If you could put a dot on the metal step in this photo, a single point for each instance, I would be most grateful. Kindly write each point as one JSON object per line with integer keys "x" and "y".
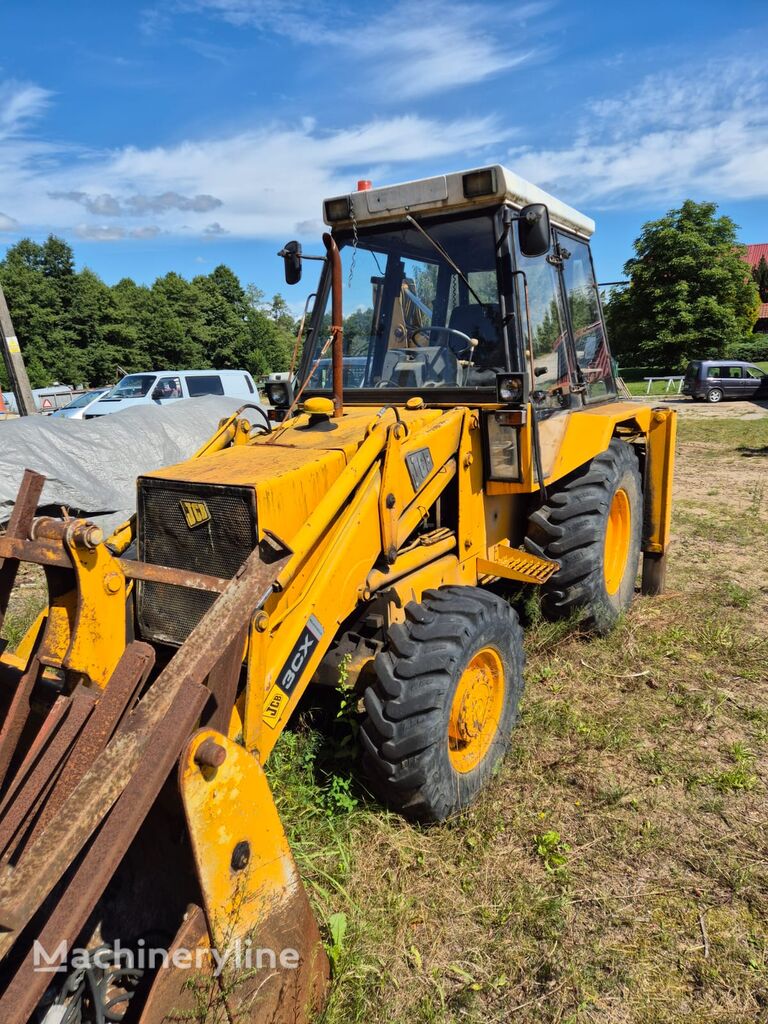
{"x": 516, "y": 564}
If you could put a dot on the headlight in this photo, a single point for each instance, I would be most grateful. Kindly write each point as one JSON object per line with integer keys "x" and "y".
{"x": 503, "y": 445}
{"x": 279, "y": 393}
{"x": 510, "y": 387}
{"x": 479, "y": 183}
{"x": 337, "y": 209}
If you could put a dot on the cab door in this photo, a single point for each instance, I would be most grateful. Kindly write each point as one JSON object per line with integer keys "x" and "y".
{"x": 553, "y": 365}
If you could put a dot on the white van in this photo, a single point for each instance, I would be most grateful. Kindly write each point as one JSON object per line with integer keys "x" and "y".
{"x": 159, "y": 387}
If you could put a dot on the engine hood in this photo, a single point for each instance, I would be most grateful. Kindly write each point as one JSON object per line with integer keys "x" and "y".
{"x": 292, "y": 469}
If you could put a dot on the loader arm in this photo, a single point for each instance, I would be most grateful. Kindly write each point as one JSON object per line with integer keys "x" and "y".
{"x": 366, "y": 518}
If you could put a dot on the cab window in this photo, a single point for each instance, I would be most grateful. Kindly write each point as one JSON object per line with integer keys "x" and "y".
{"x": 208, "y": 385}
{"x": 755, "y": 372}
{"x": 592, "y": 355}
{"x": 167, "y": 387}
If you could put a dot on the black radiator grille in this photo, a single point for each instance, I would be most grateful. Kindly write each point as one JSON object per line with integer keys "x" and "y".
{"x": 217, "y": 546}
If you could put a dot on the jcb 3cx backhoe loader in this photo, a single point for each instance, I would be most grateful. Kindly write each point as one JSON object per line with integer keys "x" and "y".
{"x": 456, "y": 439}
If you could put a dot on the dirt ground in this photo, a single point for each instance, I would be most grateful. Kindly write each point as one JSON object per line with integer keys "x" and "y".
{"x": 705, "y": 410}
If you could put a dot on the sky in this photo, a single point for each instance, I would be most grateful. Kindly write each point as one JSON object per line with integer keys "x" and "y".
{"x": 180, "y": 134}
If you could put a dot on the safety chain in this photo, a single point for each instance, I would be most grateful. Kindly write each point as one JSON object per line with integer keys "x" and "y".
{"x": 354, "y": 244}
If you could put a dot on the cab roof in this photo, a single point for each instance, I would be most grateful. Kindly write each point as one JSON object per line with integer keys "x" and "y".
{"x": 459, "y": 190}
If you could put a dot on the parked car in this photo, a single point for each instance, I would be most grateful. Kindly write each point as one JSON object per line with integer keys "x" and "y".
{"x": 80, "y": 405}
{"x": 354, "y": 373}
{"x": 161, "y": 386}
{"x": 712, "y": 380}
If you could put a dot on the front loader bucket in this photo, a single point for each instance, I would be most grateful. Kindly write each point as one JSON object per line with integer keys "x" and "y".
{"x": 125, "y": 815}
{"x": 258, "y": 912}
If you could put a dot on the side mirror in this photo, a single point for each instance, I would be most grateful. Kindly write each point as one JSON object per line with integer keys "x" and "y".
{"x": 533, "y": 230}
{"x": 291, "y": 254}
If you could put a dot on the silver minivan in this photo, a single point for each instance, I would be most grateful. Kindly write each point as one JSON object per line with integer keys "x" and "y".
{"x": 159, "y": 387}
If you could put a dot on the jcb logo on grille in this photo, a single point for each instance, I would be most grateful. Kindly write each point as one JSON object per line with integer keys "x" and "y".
{"x": 195, "y": 513}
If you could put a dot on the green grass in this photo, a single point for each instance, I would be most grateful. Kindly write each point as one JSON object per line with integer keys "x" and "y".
{"x": 721, "y": 435}
{"x": 27, "y": 601}
{"x": 640, "y": 387}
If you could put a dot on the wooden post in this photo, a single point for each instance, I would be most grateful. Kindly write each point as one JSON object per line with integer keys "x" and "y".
{"x": 14, "y": 362}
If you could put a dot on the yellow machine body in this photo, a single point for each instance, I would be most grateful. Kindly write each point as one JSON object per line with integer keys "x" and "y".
{"x": 299, "y": 477}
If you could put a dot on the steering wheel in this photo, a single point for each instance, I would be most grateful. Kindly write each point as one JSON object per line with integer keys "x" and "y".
{"x": 450, "y": 332}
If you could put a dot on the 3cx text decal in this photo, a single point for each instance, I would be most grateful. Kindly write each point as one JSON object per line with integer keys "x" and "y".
{"x": 292, "y": 670}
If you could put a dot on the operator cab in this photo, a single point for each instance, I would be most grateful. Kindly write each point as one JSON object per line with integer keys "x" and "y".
{"x": 434, "y": 277}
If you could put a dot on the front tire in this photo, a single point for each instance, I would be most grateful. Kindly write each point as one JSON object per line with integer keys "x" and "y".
{"x": 440, "y": 715}
{"x": 592, "y": 525}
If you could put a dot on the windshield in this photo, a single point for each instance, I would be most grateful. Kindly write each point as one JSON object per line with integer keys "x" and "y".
{"x": 86, "y": 398}
{"x": 410, "y": 320}
{"x": 135, "y": 385}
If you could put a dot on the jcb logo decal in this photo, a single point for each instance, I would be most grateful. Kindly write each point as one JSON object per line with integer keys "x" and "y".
{"x": 274, "y": 706}
{"x": 195, "y": 513}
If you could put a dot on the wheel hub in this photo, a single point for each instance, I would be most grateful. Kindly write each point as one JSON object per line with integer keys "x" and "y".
{"x": 476, "y": 710}
{"x": 618, "y": 533}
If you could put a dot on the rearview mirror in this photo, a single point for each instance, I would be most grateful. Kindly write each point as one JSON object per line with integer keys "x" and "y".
{"x": 291, "y": 254}
{"x": 533, "y": 230}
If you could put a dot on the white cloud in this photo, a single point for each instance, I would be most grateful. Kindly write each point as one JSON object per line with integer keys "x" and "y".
{"x": 413, "y": 48}
{"x": 8, "y": 223}
{"x": 20, "y": 102}
{"x": 701, "y": 132}
{"x": 261, "y": 182}
{"x": 432, "y": 47}
{"x": 107, "y": 205}
{"x": 99, "y": 232}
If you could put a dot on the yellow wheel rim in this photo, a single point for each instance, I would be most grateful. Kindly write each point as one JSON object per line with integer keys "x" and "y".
{"x": 476, "y": 710}
{"x": 618, "y": 533}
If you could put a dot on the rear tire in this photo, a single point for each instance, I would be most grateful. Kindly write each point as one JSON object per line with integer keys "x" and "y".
{"x": 715, "y": 395}
{"x": 592, "y": 525}
{"x": 440, "y": 715}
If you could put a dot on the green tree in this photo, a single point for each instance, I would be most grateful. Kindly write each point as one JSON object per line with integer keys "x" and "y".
{"x": 760, "y": 275}
{"x": 76, "y": 329}
{"x": 178, "y": 334}
{"x": 37, "y": 289}
{"x": 272, "y": 332}
{"x": 689, "y": 294}
{"x": 224, "y": 309}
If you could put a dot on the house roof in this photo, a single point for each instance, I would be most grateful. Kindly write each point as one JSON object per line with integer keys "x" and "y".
{"x": 762, "y": 313}
{"x": 754, "y": 252}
